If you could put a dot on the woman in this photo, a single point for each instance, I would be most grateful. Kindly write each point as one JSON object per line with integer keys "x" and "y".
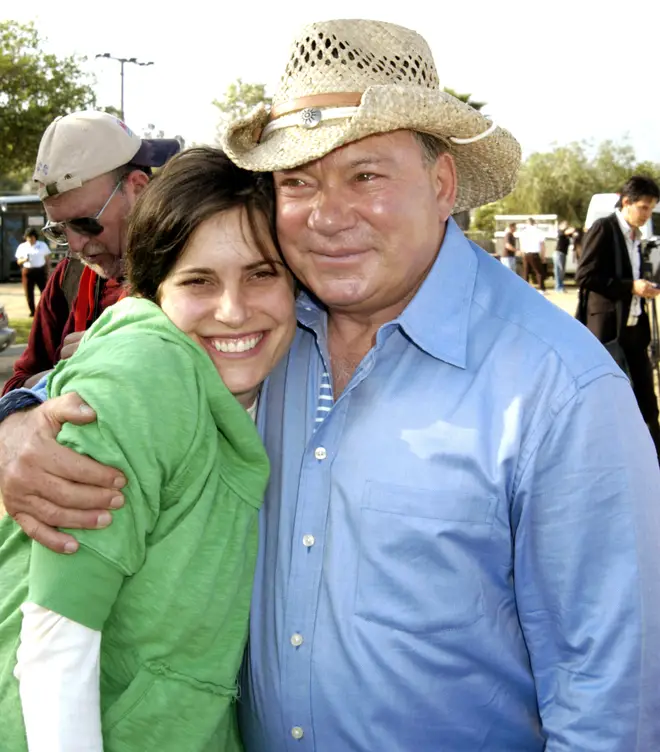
{"x": 134, "y": 643}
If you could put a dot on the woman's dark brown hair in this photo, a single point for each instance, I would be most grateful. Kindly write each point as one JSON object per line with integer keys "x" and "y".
{"x": 192, "y": 187}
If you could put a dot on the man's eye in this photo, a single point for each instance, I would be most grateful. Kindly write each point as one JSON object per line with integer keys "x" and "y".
{"x": 291, "y": 183}
{"x": 365, "y": 177}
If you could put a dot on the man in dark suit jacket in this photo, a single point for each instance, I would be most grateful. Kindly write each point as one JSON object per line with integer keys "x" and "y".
{"x": 614, "y": 305}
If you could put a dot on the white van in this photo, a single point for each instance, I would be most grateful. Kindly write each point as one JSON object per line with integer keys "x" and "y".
{"x": 603, "y": 204}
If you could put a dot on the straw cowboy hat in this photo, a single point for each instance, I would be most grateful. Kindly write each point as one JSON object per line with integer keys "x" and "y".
{"x": 349, "y": 79}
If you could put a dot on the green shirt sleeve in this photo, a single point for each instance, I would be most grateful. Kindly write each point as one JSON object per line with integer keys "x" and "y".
{"x": 146, "y": 396}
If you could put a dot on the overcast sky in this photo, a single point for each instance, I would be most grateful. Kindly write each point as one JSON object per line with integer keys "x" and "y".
{"x": 549, "y": 72}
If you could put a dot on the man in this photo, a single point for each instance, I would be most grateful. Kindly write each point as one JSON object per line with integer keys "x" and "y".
{"x": 33, "y": 256}
{"x": 458, "y": 548}
{"x": 614, "y": 304}
{"x": 564, "y": 233}
{"x": 90, "y": 170}
{"x": 532, "y": 245}
{"x": 508, "y": 257}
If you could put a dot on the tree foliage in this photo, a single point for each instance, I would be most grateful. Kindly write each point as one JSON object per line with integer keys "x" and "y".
{"x": 562, "y": 181}
{"x": 239, "y": 98}
{"x": 467, "y": 98}
{"x": 35, "y": 87}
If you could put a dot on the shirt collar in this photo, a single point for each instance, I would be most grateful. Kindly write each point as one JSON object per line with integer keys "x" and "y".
{"x": 626, "y": 229}
{"x": 437, "y": 318}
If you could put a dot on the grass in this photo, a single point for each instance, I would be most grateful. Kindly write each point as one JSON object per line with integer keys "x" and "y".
{"x": 22, "y": 327}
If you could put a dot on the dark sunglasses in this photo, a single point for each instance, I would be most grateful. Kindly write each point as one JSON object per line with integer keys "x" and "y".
{"x": 90, "y": 226}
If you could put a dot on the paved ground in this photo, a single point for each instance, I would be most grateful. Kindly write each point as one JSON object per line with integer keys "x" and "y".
{"x": 11, "y": 296}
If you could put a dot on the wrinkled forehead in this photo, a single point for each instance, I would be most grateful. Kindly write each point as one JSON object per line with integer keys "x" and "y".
{"x": 79, "y": 202}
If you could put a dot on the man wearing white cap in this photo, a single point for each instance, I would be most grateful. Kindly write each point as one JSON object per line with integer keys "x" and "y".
{"x": 459, "y": 544}
{"x": 90, "y": 169}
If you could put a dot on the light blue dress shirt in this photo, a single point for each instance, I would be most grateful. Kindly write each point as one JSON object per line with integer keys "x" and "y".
{"x": 465, "y": 555}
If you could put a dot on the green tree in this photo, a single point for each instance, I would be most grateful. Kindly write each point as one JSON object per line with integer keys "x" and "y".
{"x": 35, "y": 87}
{"x": 467, "y": 98}
{"x": 112, "y": 111}
{"x": 18, "y": 181}
{"x": 563, "y": 180}
{"x": 239, "y": 98}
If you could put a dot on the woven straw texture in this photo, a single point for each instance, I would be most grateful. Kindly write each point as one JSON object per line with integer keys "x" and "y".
{"x": 394, "y": 69}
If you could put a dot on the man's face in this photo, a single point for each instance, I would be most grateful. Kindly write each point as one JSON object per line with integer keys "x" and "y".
{"x": 362, "y": 226}
{"x": 637, "y": 213}
{"x": 102, "y": 253}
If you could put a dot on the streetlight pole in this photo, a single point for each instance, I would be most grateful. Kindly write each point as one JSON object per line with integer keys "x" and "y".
{"x": 122, "y": 61}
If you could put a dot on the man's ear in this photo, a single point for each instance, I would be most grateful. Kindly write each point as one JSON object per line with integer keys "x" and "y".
{"x": 138, "y": 181}
{"x": 444, "y": 177}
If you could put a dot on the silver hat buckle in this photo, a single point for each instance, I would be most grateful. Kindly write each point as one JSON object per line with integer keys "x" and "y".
{"x": 310, "y": 117}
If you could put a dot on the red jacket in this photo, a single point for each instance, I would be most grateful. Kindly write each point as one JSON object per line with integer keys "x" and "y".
{"x": 53, "y": 321}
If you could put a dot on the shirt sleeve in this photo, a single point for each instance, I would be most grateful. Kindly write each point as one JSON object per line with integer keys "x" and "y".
{"x": 586, "y": 518}
{"x": 58, "y": 670}
{"x": 46, "y": 334}
{"x": 145, "y": 424}
{"x": 20, "y": 399}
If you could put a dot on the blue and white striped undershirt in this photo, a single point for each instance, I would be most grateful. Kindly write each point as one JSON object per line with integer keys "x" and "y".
{"x": 324, "y": 404}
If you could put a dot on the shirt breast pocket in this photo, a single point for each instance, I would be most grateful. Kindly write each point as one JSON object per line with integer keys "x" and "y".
{"x": 419, "y": 561}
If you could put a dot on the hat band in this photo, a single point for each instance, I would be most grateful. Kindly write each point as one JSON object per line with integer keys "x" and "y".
{"x": 329, "y": 99}
{"x": 308, "y": 112}
{"x": 308, "y": 118}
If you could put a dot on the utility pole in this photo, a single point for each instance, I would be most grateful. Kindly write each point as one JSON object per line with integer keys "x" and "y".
{"x": 122, "y": 61}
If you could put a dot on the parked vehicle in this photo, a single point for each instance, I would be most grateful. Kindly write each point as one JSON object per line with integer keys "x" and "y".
{"x": 7, "y": 334}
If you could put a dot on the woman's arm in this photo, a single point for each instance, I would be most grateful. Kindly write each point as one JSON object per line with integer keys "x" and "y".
{"x": 58, "y": 670}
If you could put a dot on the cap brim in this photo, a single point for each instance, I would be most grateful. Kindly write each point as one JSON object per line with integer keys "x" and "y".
{"x": 154, "y": 152}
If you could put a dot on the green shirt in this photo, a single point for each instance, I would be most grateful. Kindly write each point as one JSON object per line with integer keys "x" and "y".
{"x": 169, "y": 582}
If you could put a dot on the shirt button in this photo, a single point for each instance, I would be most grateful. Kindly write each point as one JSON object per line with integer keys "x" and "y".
{"x": 297, "y": 732}
{"x": 308, "y": 540}
{"x": 296, "y": 640}
{"x": 320, "y": 453}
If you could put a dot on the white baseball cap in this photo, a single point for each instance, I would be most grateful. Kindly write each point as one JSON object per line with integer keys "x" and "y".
{"x": 81, "y": 146}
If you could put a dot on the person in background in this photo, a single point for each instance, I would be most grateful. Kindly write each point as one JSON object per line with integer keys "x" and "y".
{"x": 564, "y": 233}
{"x": 508, "y": 257}
{"x": 615, "y": 297}
{"x": 90, "y": 169}
{"x": 532, "y": 245}
{"x": 33, "y": 256}
{"x": 577, "y": 239}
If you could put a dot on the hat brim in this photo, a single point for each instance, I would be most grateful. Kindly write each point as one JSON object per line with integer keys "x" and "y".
{"x": 486, "y": 169}
{"x": 154, "y": 152}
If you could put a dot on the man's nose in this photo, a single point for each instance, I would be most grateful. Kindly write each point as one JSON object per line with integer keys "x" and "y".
{"x": 76, "y": 241}
{"x": 331, "y": 214}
